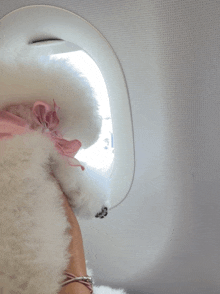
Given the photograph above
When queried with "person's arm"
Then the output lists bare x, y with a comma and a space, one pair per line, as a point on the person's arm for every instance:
77, 265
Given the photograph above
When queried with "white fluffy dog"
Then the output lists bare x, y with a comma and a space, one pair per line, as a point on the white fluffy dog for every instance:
34, 237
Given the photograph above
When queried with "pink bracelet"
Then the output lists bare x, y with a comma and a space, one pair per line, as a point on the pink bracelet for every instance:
71, 278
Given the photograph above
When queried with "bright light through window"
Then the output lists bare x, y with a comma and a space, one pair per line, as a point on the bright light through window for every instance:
100, 155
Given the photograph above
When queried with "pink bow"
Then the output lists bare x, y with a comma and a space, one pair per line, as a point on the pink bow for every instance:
11, 124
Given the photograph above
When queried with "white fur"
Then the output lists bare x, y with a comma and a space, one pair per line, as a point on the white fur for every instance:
107, 290
34, 239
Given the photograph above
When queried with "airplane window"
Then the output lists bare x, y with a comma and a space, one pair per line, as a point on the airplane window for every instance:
43, 30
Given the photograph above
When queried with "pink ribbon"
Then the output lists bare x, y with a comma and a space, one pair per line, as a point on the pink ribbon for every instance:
11, 124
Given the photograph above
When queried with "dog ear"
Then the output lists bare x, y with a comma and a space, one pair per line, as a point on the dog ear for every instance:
25, 80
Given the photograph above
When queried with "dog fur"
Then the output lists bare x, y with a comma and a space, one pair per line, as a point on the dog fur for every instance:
34, 237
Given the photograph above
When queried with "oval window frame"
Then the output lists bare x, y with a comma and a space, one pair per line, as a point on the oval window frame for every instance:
50, 21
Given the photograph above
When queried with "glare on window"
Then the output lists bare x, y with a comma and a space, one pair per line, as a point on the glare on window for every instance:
100, 155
